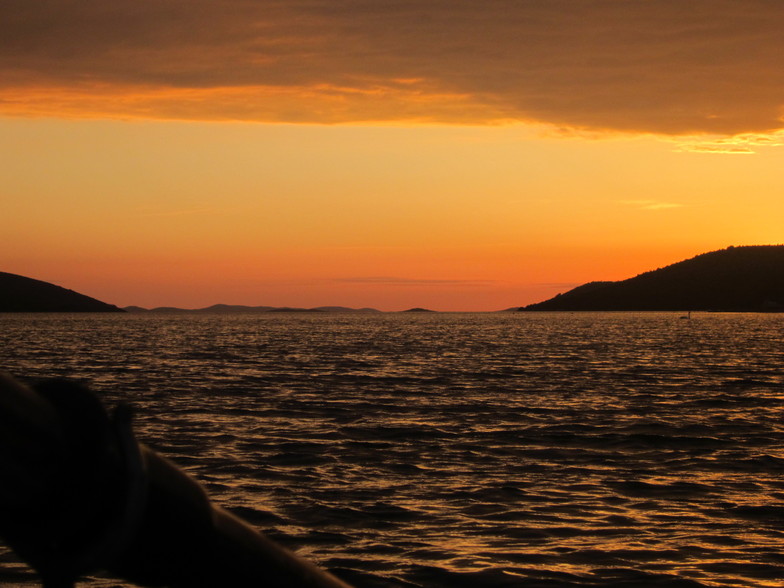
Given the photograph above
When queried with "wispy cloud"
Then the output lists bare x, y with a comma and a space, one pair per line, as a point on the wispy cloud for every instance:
390, 280
743, 144
195, 211
651, 204
558, 285
665, 67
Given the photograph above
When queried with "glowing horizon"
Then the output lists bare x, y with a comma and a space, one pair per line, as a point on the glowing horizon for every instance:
320, 154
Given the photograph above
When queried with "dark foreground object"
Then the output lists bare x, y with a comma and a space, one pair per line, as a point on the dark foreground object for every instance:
79, 495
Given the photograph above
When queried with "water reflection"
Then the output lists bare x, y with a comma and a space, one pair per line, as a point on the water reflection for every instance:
478, 450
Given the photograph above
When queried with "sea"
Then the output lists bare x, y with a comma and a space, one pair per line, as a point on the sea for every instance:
441, 450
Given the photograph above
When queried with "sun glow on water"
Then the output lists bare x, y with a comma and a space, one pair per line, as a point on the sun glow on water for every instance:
443, 448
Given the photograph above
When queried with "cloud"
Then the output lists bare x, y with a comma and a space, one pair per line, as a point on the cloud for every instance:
558, 285
742, 144
204, 210
651, 204
665, 67
389, 280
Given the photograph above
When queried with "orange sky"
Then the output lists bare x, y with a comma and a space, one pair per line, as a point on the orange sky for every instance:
454, 155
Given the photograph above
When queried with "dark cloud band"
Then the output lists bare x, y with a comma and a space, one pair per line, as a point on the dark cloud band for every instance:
665, 66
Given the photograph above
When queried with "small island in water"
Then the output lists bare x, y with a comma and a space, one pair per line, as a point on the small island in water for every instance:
21, 294
736, 279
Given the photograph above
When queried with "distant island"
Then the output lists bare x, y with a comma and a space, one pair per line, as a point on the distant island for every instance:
21, 294
736, 279
240, 309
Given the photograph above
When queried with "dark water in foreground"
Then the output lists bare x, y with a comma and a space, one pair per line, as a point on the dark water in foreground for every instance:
448, 450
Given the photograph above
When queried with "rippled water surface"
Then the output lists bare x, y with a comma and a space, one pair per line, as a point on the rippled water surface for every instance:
442, 450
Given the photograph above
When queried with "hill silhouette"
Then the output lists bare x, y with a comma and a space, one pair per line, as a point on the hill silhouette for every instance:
241, 309
736, 279
21, 294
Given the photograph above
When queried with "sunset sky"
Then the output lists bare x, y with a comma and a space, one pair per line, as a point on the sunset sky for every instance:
452, 154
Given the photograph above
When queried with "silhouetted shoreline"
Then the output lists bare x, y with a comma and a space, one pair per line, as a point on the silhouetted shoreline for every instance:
736, 279
241, 309
22, 294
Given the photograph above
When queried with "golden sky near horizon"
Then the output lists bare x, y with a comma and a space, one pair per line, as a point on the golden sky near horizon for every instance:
450, 154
